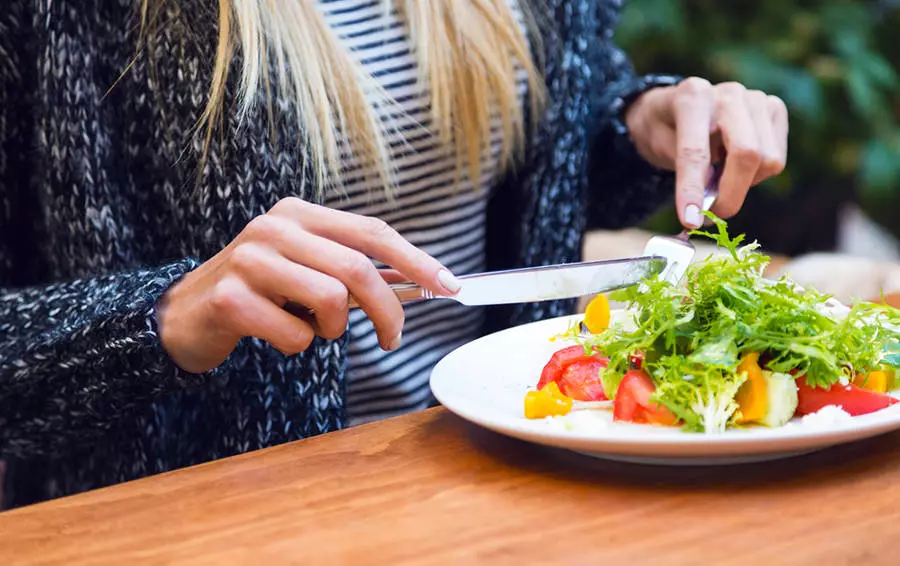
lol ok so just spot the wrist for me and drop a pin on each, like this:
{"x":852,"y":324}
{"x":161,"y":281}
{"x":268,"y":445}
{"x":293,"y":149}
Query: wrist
{"x":179,"y":326}
{"x":167,"y":324}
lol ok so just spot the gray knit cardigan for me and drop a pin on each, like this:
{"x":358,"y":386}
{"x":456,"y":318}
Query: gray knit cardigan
{"x":100,"y":214}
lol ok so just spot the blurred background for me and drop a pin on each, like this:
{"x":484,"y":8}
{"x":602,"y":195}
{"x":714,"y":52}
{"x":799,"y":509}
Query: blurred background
{"x":834,"y":63}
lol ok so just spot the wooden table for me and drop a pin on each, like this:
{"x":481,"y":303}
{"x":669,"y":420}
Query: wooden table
{"x":430,"y":489}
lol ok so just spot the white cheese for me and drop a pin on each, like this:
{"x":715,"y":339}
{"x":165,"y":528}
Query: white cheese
{"x":826,"y":417}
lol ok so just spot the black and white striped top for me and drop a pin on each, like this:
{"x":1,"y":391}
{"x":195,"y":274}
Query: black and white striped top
{"x":432,"y":211}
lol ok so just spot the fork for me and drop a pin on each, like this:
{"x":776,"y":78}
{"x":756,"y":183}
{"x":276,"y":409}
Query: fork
{"x":678,"y":250}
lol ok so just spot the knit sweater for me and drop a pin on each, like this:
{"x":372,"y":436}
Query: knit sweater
{"x":100,"y":213}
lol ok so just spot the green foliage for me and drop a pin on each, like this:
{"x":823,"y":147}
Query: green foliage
{"x":692,"y":334}
{"x":832,"y":62}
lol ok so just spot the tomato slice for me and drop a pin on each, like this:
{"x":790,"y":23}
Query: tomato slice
{"x":562,"y":359}
{"x":634,"y":392}
{"x":581,"y":380}
{"x":640,"y":384}
{"x":852,"y":399}
{"x":625,"y":408}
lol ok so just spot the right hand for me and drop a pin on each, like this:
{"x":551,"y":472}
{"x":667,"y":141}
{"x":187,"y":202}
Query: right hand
{"x":301,"y":253}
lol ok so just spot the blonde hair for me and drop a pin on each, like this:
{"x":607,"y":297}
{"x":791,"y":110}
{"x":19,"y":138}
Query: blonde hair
{"x":469,"y":53}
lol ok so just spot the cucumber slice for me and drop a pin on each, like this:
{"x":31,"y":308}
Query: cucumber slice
{"x":781,"y":399}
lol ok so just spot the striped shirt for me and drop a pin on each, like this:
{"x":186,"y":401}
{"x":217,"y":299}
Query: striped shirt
{"x":435,"y":213}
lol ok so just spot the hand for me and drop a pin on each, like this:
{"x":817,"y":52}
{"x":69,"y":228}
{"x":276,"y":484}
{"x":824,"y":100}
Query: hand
{"x":682,"y":128}
{"x":301,"y":253}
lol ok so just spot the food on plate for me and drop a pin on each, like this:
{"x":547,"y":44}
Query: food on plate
{"x":725,"y":348}
{"x":634,"y":401}
{"x":852,"y":399}
{"x":562,"y":359}
{"x":546,"y":402}
{"x":550,"y":402}
{"x":881,"y":380}
{"x":596,"y":315}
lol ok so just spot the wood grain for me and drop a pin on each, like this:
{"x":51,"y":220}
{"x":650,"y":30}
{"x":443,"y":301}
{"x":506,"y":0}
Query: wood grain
{"x":430,"y":489}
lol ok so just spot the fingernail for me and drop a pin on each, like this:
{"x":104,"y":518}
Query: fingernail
{"x":448,"y":281}
{"x":395,"y":343}
{"x":692,"y":215}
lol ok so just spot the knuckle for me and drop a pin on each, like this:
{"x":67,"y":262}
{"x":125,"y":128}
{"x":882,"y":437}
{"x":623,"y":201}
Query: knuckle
{"x":288,"y":205}
{"x":779,"y":166}
{"x":774,"y":165}
{"x":695,"y":86}
{"x":731,"y":89}
{"x":228,"y":296}
{"x":262,"y":228}
{"x":358,"y":269}
{"x":776,"y":103}
{"x":757,"y":97}
{"x":692,"y":155}
{"x":746,"y":155}
{"x":246,"y":258}
{"x":378,"y":228}
{"x":333,"y":298}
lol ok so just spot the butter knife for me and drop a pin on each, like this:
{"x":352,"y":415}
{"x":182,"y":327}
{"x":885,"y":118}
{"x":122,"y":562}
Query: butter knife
{"x":533,"y":284}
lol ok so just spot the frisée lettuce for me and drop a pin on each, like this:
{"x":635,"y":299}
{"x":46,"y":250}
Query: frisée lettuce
{"x":692,"y":336}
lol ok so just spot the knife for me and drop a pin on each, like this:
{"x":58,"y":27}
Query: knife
{"x":533,"y":284}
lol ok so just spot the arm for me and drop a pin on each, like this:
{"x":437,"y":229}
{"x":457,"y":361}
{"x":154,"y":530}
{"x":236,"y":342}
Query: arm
{"x":625,"y":188}
{"x":73,"y":356}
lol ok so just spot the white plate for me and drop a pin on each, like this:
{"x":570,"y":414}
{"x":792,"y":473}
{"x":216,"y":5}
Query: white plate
{"x":485,"y":382}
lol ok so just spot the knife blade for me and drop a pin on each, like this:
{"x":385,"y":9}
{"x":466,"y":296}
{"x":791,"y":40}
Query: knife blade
{"x":551,"y":282}
{"x":530,"y":284}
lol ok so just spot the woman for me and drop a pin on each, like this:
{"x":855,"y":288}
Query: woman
{"x":146,"y":261}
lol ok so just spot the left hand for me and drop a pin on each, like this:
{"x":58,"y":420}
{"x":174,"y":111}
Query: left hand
{"x":685,"y":128}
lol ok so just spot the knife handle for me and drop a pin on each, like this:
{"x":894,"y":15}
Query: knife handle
{"x":406,"y":293}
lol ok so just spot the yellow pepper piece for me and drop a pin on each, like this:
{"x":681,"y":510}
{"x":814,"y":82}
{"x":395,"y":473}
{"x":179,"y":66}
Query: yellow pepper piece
{"x":596,"y":316}
{"x":751,"y":397}
{"x":875,"y":381}
{"x":547,"y":402}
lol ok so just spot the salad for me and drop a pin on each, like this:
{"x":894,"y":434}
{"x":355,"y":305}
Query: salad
{"x":724,"y":348}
